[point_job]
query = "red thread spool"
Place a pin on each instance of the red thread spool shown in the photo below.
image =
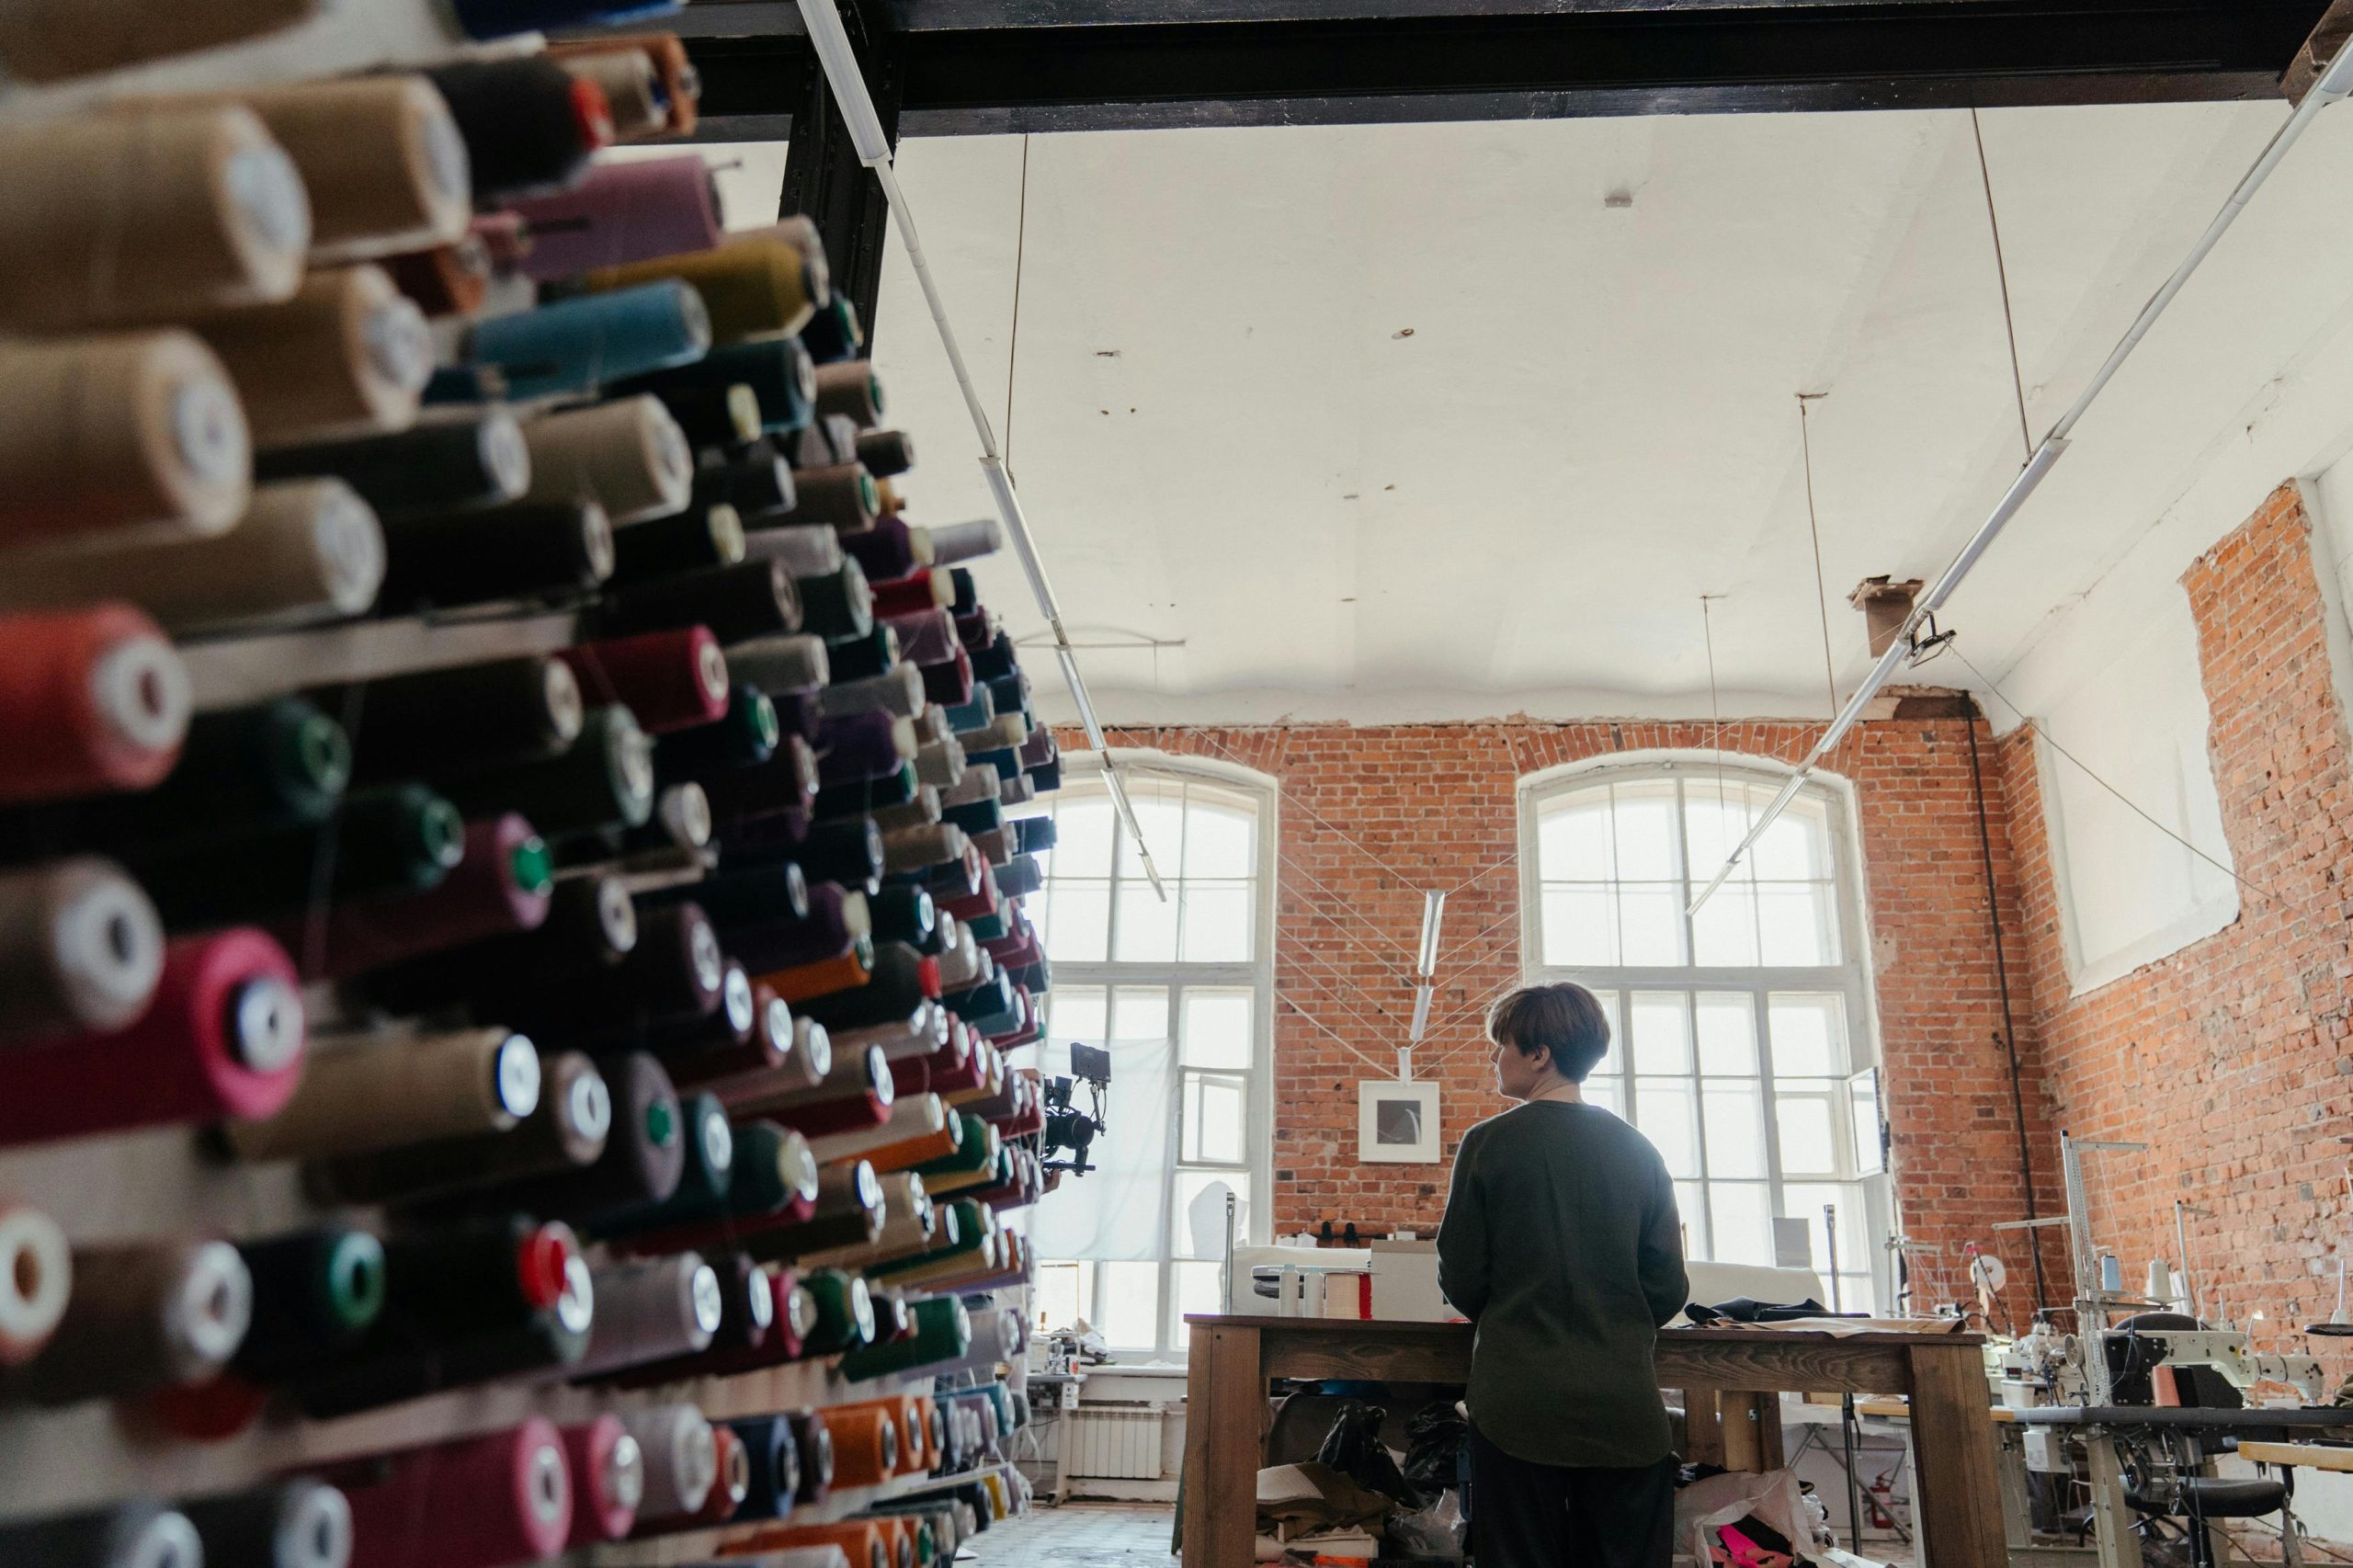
(92, 700)
(607, 1481)
(221, 1040)
(913, 594)
(671, 680)
(479, 1503)
(502, 885)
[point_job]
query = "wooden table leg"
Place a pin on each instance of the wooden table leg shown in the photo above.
(1957, 1502)
(1703, 1432)
(1225, 1416)
(1751, 1430)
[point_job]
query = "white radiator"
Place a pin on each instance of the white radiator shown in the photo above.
(1113, 1442)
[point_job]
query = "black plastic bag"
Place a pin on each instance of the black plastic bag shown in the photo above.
(1353, 1446)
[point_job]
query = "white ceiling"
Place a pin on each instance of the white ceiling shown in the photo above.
(1405, 421)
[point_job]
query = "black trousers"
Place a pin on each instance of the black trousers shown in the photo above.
(1542, 1515)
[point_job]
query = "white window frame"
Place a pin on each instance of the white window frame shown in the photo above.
(1852, 978)
(1081, 777)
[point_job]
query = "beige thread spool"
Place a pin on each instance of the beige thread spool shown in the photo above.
(35, 1281)
(381, 1095)
(840, 495)
(100, 434)
(307, 549)
(383, 159)
(80, 949)
(629, 455)
(56, 40)
(668, 53)
(850, 388)
(349, 354)
(910, 1225)
(633, 86)
(125, 219)
(141, 1314)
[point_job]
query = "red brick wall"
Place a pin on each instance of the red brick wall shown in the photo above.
(1373, 816)
(2230, 1057)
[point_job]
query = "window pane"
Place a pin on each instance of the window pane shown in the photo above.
(1580, 926)
(1713, 823)
(1662, 1032)
(1727, 1033)
(1058, 1302)
(1147, 924)
(1809, 1034)
(1796, 847)
(1809, 1143)
(1079, 921)
(1724, 932)
(1127, 1305)
(1650, 923)
(1078, 1012)
(1664, 1110)
(1743, 1230)
(1862, 1120)
(1196, 1292)
(1206, 1238)
(1805, 1202)
(1649, 848)
(1215, 1028)
(1218, 842)
(1734, 1114)
(1082, 838)
(1216, 1111)
(1691, 1204)
(1793, 920)
(1161, 815)
(1217, 922)
(1608, 1093)
(1573, 841)
(1140, 1013)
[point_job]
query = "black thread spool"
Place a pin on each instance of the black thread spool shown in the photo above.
(975, 816)
(644, 1154)
(754, 598)
(757, 485)
(276, 765)
(402, 838)
(746, 738)
(903, 914)
(781, 938)
(736, 899)
(522, 122)
(750, 794)
(849, 1212)
(300, 1523)
(1019, 877)
(848, 852)
(833, 334)
(1033, 835)
(778, 369)
(894, 990)
(533, 550)
(701, 537)
(675, 974)
(727, 414)
(465, 719)
(710, 1062)
(124, 1535)
(441, 465)
(747, 1309)
(566, 1130)
(886, 453)
(728, 1027)
(603, 780)
(843, 802)
(858, 658)
(315, 1293)
(591, 925)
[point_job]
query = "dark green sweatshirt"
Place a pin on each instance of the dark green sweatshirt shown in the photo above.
(1561, 1243)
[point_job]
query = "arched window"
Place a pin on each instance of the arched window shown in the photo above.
(1180, 991)
(1743, 1038)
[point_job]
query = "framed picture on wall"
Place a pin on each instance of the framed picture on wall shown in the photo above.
(1397, 1123)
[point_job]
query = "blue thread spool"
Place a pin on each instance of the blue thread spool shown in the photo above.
(577, 346)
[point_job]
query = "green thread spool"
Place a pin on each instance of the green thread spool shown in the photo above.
(845, 1312)
(943, 1332)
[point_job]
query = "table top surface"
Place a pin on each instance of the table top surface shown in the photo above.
(1400, 1328)
(2312, 1456)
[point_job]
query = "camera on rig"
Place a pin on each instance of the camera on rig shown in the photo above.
(1067, 1127)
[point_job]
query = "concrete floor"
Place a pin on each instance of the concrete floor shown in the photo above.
(1081, 1535)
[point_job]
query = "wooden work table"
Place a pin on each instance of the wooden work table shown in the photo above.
(1731, 1379)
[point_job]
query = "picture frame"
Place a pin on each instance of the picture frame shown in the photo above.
(1397, 1123)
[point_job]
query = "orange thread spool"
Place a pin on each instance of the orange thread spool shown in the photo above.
(92, 700)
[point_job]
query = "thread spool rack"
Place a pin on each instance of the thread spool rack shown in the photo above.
(172, 1182)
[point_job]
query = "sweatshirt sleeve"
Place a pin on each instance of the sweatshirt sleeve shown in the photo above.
(1663, 1284)
(1462, 1235)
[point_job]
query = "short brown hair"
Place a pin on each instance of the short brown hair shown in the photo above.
(1565, 1020)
